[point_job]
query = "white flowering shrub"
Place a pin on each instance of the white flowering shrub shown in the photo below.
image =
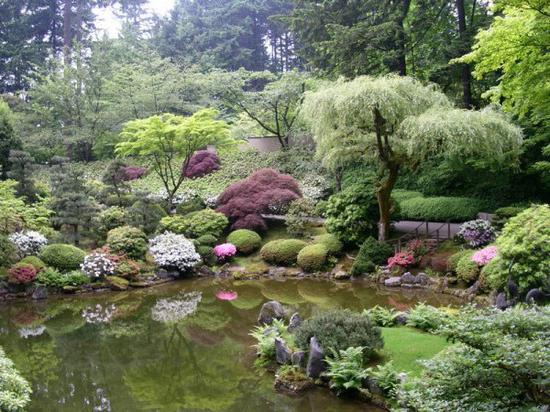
(171, 250)
(97, 265)
(176, 309)
(28, 242)
(211, 200)
(314, 187)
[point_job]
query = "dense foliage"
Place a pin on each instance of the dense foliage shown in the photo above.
(15, 391)
(63, 257)
(201, 163)
(171, 250)
(371, 253)
(128, 240)
(440, 209)
(312, 257)
(246, 241)
(282, 251)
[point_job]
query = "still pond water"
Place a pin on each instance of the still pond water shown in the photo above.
(171, 348)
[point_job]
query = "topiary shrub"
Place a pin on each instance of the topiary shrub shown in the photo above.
(338, 330)
(206, 240)
(128, 240)
(441, 209)
(196, 224)
(331, 242)
(109, 219)
(525, 246)
(202, 163)
(207, 254)
(371, 254)
(466, 269)
(35, 262)
(264, 191)
(192, 205)
(400, 195)
(282, 251)
(63, 257)
(313, 257)
(246, 241)
(21, 274)
(352, 214)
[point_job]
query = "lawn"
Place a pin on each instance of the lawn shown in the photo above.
(404, 346)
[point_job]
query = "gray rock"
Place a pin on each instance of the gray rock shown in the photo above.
(513, 289)
(373, 387)
(341, 275)
(421, 279)
(205, 271)
(501, 302)
(271, 310)
(282, 352)
(393, 281)
(294, 322)
(40, 292)
(408, 278)
(535, 296)
(472, 290)
(298, 359)
(315, 362)
(401, 318)
(167, 274)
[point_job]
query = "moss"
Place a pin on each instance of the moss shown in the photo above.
(331, 242)
(63, 257)
(283, 251)
(246, 241)
(313, 257)
(117, 283)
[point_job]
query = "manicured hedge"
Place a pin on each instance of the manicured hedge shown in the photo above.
(313, 257)
(441, 209)
(63, 257)
(331, 242)
(282, 251)
(246, 241)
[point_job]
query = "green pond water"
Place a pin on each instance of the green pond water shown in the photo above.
(174, 347)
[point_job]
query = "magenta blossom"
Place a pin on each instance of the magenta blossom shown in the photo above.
(225, 251)
(485, 255)
(226, 295)
(403, 259)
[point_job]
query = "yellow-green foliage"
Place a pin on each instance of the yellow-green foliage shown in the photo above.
(313, 257)
(246, 241)
(453, 260)
(196, 224)
(15, 391)
(466, 269)
(63, 257)
(128, 240)
(282, 251)
(331, 242)
(35, 262)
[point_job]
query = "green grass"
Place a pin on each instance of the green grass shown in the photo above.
(406, 345)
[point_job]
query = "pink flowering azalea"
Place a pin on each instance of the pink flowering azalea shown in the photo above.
(403, 259)
(226, 295)
(485, 255)
(225, 251)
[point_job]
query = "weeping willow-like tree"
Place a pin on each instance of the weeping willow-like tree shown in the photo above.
(397, 121)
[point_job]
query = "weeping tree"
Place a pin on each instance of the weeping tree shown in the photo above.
(168, 142)
(395, 122)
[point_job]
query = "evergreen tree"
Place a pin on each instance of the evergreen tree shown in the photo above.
(22, 169)
(8, 141)
(114, 179)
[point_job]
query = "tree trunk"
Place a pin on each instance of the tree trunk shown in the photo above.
(401, 41)
(67, 30)
(465, 68)
(383, 195)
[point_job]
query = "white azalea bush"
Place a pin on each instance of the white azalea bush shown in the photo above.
(28, 242)
(171, 250)
(97, 264)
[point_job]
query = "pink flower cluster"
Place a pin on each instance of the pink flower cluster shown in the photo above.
(225, 251)
(485, 255)
(403, 259)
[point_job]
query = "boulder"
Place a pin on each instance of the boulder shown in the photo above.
(474, 289)
(70, 289)
(513, 289)
(501, 302)
(40, 292)
(282, 352)
(294, 322)
(271, 310)
(421, 279)
(408, 278)
(117, 283)
(401, 318)
(535, 296)
(167, 274)
(298, 358)
(393, 281)
(315, 362)
(341, 275)
(205, 271)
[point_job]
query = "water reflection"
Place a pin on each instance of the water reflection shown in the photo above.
(172, 348)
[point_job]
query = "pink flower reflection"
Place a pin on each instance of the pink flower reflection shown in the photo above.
(226, 295)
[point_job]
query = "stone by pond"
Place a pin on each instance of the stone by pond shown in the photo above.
(172, 347)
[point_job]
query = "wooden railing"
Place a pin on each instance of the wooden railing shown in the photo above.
(438, 234)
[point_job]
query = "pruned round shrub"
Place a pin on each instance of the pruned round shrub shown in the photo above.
(441, 209)
(224, 251)
(97, 265)
(466, 269)
(282, 251)
(339, 330)
(476, 233)
(207, 254)
(264, 191)
(524, 245)
(207, 240)
(171, 250)
(129, 241)
(28, 242)
(109, 219)
(246, 241)
(196, 224)
(22, 274)
(313, 257)
(35, 262)
(129, 173)
(63, 257)
(371, 254)
(202, 163)
(331, 242)
(352, 214)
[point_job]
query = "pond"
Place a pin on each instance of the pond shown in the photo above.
(174, 347)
